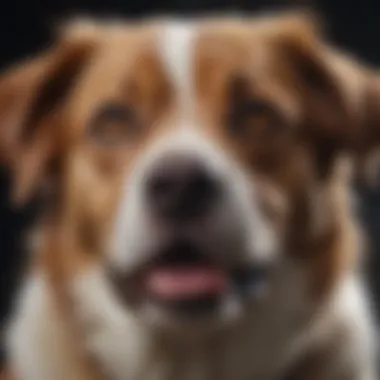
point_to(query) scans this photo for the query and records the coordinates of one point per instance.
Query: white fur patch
(38, 344)
(362, 346)
(177, 48)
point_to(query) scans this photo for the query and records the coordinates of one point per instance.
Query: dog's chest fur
(258, 347)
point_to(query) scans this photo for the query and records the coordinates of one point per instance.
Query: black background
(25, 28)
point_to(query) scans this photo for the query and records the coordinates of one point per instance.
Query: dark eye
(251, 116)
(114, 124)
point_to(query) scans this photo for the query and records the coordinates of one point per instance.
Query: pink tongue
(184, 283)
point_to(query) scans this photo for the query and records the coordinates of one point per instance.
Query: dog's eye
(252, 116)
(114, 124)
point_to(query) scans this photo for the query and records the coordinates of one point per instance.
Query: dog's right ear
(31, 97)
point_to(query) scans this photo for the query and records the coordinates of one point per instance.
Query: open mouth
(183, 279)
(183, 273)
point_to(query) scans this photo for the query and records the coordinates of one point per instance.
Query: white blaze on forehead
(177, 48)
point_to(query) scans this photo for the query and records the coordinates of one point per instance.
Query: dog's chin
(183, 287)
(190, 317)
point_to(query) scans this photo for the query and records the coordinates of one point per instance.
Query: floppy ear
(359, 134)
(31, 97)
(330, 88)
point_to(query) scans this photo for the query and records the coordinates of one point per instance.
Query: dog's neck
(127, 348)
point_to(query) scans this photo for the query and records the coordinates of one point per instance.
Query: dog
(198, 221)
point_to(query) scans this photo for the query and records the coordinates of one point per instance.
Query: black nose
(181, 188)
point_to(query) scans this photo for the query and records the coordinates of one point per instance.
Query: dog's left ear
(31, 98)
(361, 133)
(340, 95)
(321, 78)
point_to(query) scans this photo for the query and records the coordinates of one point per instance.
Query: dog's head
(188, 160)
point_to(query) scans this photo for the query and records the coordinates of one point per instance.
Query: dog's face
(187, 162)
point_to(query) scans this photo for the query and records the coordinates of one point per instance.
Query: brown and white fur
(284, 166)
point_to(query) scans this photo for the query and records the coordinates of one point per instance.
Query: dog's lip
(182, 273)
